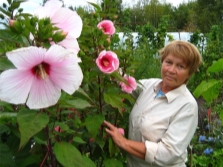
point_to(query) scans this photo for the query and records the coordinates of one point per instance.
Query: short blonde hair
(185, 50)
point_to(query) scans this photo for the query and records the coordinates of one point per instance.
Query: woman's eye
(180, 66)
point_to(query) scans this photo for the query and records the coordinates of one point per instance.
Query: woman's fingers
(109, 125)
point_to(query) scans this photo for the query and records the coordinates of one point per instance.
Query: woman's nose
(172, 69)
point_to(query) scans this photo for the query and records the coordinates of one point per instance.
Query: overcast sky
(32, 4)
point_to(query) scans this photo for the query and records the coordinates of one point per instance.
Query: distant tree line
(199, 15)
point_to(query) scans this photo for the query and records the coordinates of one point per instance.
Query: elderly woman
(165, 116)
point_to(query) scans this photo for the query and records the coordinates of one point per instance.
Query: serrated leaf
(204, 86)
(212, 93)
(114, 100)
(87, 162)
(216, 67)
(93, 123)
(30, 122)
(68, 155)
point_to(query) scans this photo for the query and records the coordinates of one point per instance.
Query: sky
(30, 5)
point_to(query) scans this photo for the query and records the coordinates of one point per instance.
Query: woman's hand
(135, 148)
(115, 133)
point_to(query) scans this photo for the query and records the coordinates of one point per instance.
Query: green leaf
(83, 93)
(8, 35)
(68, 155)
(112, 147)
(8, 114)
(114, 100)
(209, 90)
(95, 5)
(221, 115)
(30, 122)
(93, 123)
(216, 67)
(78, 140)
(5, 156)
(3, 128)
(128, 97)
(87, 162)
(76, 103)
(100, 142)
(5, 64)
(112, 163)
(119, 77)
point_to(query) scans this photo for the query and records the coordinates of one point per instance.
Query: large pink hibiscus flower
(40, 75)
(65, 19)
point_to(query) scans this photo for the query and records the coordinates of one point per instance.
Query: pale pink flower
(107, 27)
(107, 61)
(121, 130)
(40, 75)
(65, 19)
(132, 85)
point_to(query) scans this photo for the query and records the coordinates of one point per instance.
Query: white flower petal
(58, 55)
(26, 58)
(69, 21)
(68, 78)
(48, 10)
(71, 44)
(15, 85)
(43, 94)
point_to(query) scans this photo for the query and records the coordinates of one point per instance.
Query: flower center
(105, 63)
(41, 70)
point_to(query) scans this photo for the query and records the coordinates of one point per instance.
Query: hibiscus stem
(50, 150)
(100, 97)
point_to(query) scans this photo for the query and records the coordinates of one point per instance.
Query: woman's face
(174, 72)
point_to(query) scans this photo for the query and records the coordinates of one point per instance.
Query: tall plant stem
(50, 150)
(44, 159)
(99, 92)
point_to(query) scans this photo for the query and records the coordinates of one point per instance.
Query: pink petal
(68, 77)
(56, 55)
(15, 85)
(43, 94)
(69, 21)
(107, 26)
(109, 56)
(65, 72)
(71, 44)
(121, 130)
(26, 58)
(132, 85)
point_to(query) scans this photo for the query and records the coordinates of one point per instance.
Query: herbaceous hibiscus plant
(59, 80)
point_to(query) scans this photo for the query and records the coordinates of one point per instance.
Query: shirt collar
(173, 94)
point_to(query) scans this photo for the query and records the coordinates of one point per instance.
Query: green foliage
(67, 154)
